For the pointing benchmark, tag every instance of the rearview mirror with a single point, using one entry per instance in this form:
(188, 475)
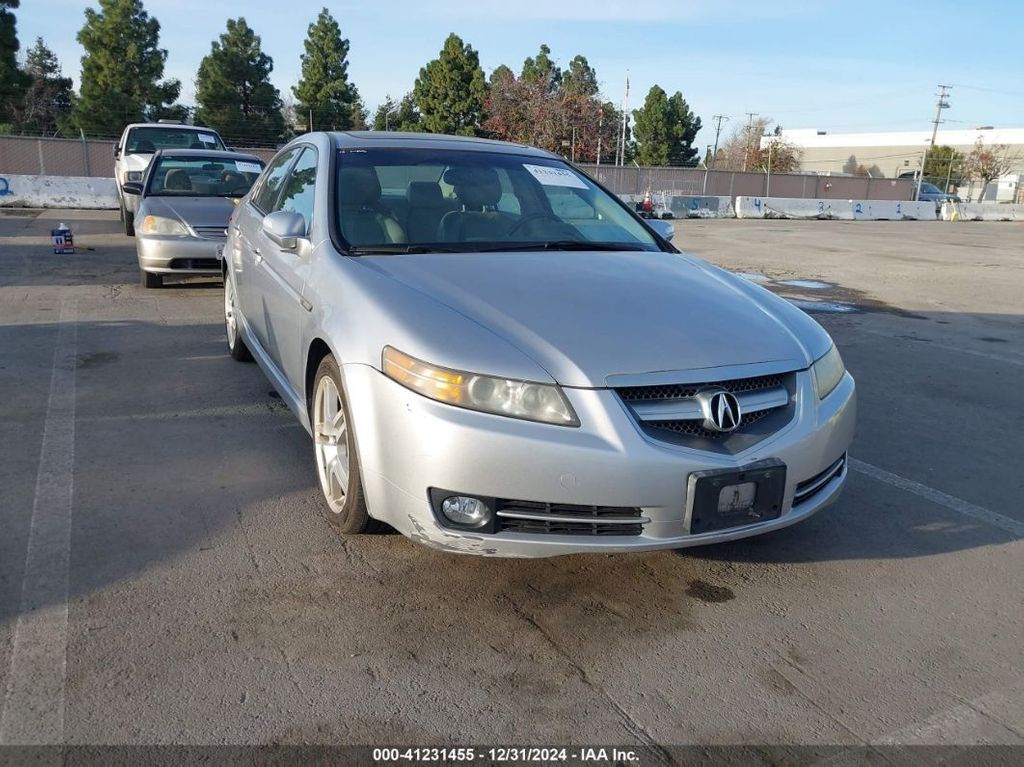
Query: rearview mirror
(131, 187)
(285, 228)
(664, 229)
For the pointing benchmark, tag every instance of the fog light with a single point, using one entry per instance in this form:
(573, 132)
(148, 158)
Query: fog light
(466, 511)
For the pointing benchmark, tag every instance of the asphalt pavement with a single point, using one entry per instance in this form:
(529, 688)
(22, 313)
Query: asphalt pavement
(166, 575)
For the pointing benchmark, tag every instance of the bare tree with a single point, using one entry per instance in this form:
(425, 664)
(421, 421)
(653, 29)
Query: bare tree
(987, 163)
(744, 142)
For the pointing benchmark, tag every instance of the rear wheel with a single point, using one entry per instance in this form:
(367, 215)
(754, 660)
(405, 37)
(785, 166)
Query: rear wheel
(334, 449)
(150, 280)
(236, 346)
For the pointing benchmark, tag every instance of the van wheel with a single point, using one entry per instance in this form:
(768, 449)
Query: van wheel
(129, 221)
(150, 280)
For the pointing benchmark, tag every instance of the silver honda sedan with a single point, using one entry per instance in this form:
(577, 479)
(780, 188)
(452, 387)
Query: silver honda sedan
(494, 355)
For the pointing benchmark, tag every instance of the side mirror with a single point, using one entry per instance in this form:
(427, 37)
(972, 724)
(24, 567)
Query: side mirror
(664, 229)
(285, 228)
(132, 187)
(117, 151)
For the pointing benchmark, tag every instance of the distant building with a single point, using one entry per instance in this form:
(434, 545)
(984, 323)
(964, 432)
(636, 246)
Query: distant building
(899, 153)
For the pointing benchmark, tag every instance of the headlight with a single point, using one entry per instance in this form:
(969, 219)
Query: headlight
(828, 372)
(131, 175)
(161, 225)
(501, 396)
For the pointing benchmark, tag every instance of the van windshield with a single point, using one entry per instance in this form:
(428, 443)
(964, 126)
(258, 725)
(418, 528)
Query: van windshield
(148, 140)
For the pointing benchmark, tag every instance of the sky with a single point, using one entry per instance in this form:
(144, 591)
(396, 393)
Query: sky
(834, 65)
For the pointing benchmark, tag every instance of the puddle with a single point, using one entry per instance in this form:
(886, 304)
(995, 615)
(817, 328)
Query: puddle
(811, 284)
(822, 306)
(752, 276)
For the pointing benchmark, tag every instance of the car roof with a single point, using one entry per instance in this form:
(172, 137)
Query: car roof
(173, 126)
(212, 154)
(404, 140)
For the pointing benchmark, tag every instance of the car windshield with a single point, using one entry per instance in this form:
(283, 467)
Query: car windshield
(930, 188)
(148, 140)
(202, 176)
(422, 200)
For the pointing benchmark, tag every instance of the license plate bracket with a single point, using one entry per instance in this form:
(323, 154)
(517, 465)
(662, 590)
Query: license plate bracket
(723, 499)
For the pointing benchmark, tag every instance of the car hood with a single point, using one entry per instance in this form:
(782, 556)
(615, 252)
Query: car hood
(194, 211)
(595, 319)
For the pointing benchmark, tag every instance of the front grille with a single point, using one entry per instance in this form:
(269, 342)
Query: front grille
(682, 391)
(694, 428)
(208, 264)
(811, 487)
(567, 519)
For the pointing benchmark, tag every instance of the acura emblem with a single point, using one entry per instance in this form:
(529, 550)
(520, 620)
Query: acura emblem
(720, 408)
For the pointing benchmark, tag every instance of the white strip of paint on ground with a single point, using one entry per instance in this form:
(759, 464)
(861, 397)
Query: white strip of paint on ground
(951, 502)
(33, 705)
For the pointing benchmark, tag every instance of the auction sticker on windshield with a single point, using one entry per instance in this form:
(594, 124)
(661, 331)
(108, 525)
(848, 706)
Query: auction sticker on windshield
(247, 167)
(207, 138)
(555, 176)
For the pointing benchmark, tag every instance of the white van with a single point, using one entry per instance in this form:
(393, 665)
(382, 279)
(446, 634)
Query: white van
(135, 149)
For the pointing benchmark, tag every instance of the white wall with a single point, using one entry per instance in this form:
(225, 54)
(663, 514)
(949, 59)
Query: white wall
(57, 192)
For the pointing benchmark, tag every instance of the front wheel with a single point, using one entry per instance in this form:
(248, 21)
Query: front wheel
(334, 449)
(236, 346)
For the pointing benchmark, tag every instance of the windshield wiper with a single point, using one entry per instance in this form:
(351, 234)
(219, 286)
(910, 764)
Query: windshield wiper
(391, 250)
(562, 245)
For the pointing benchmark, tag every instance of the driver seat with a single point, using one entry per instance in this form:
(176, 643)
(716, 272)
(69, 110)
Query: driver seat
(479, 190)
(362, 221)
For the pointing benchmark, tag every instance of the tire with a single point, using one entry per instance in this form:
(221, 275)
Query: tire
(334, 452)
(236, 346)
(129, 221)
(120, 210)
(150, 280)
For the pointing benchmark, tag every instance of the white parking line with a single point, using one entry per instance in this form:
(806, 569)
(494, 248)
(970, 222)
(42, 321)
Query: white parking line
(33, 707)
(958, 505)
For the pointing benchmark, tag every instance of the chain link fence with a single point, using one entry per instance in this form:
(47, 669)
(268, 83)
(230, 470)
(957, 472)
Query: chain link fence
(47, 156)
(720, 183)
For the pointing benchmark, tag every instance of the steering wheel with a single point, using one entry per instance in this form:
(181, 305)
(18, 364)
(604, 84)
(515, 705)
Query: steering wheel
(529, 218)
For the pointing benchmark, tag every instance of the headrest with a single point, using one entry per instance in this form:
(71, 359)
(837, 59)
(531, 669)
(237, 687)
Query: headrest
(358, 186)
(177, 178)
(424, 194)
(476, 188)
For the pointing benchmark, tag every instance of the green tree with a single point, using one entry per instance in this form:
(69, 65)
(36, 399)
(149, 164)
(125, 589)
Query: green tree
(397, 115)
(580, 79)
(233, 89)
(501, 74)
(324, 89)
(450, 90)
(542, 70)
(121, 69)
(12, 81)
(48, 98)
(665, 129)
(944, 163)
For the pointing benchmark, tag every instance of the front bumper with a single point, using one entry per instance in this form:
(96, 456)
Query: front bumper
(408, 443)
(161, 254)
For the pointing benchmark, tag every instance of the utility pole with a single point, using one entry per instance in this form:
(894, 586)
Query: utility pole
(941, 104)
(622, 132)
(704, 189)
(718, 129)
(746, 143)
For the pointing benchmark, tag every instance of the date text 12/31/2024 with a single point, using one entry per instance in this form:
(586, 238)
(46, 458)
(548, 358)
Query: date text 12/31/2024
(512, 754)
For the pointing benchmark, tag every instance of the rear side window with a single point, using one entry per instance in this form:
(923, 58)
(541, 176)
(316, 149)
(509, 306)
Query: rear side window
(266, 195)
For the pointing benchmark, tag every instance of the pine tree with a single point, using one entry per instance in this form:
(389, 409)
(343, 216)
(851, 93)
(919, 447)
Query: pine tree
(501, 74)
(121, 69)
(542, 70)
(580, 79)
(324, 90)
(48, 98)
(233, 90)
(450, 90)
(665, 129)
(12, 81)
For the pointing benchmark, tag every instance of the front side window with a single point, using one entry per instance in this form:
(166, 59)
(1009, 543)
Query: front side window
(149, 140)
(444, 200)
(202, 177)
(266, 195)
(297, 194)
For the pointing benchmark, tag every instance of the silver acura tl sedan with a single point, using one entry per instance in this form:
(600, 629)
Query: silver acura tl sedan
(182, 210)
(494, 355)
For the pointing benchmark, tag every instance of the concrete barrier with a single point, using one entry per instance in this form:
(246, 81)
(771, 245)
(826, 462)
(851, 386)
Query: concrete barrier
(981, 211)
(57, 192)
(687, 206)
(844, 210)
